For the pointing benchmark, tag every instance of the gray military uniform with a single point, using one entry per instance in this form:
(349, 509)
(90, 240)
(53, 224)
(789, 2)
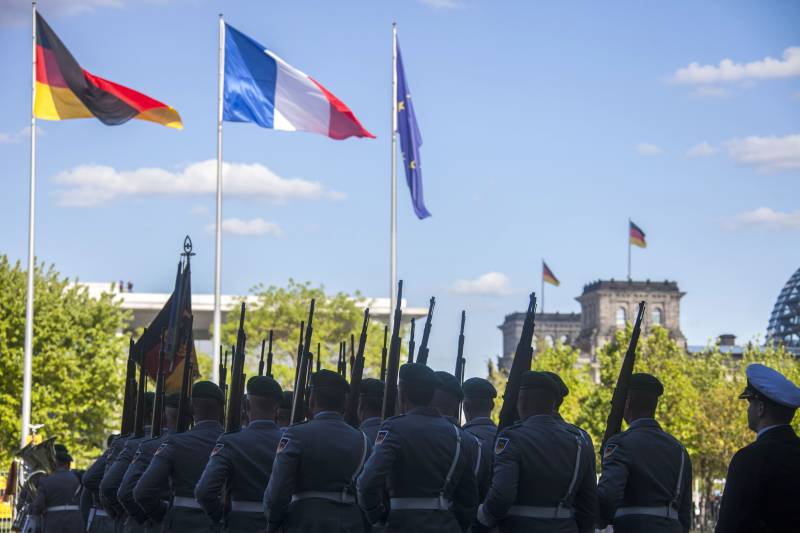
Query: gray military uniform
(431, 483)
(485, 430)
(242, 460)
(115, 471)
(99, 520)
(646, 484)
(311, 489)
(57, 500)
(542, 480)
(179, 461)
(137, 519)
(370, 427)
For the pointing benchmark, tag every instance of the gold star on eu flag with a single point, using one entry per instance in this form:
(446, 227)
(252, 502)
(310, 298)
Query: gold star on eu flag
(412, 165)
(401, 105)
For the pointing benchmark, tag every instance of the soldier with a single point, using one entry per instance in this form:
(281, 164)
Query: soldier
(98, 521)
(762, 490)
(419, 456)
(563, 392)
(284, 417)
(479, 397)
(646, 484)
(370, 403)
(179, 461)
(242, 461)
(58, 496)
(542, 479)
(137, 520)
(312, 484)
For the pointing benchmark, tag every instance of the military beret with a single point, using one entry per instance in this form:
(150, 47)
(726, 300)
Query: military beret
(646, 383)
(264, 387)
(60, 448)
(172, 400)
(538, 380)
(479, 388)
(371, 387)
(417, 373)
(562, 387)
(63, 457)
(771, 384)
(286, 399)
(447, 382)
(149, 399)
(329, 379)
(208, 391)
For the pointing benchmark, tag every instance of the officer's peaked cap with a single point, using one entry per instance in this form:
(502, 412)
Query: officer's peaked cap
(771, 384)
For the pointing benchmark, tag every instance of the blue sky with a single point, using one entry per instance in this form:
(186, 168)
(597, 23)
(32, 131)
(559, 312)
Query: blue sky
(546, 125)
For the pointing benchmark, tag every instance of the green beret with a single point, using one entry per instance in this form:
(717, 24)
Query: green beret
(264, 387)
(479, 388)
(418, 373)
(646, 383)
(562, 387)
(539, 380)
(208, 391)
(372, 387)
(447, 382)
(286, 399)
(172, 400)
(329, 379)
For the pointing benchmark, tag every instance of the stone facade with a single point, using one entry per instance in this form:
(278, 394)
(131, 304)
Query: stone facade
(550, 327)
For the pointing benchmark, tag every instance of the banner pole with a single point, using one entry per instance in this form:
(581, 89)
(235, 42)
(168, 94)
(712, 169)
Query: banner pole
(218, 224)
(393, 225)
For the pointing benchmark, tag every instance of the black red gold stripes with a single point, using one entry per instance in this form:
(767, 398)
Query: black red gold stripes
(548, 276)
(636, 236)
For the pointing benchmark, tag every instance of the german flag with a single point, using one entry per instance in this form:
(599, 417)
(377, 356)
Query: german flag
(636, 235)
(548, 276)
(65, 90)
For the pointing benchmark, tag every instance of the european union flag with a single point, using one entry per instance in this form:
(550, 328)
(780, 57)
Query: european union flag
(410, 140)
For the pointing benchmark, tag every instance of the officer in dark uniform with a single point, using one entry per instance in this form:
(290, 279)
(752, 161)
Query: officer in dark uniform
(563, 392)
(284, 417)
(58, 497)
(762, 492)
(179, 461)
(137, 520)
(479, 397)
(646, 484)
(419, 459)
(370, 405)
(242, 462)
(99, 520)
(311, 489)
(542, 479)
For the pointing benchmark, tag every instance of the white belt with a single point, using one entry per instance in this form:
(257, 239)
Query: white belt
(185, 503)
(57, 508)
(100, 512)
(341, 496)
(529, 511)
(247, 507)
(664, 511)
(420, 504)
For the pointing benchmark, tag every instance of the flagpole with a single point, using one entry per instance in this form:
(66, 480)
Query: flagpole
(393, 225)
(27, 372)
(218, 226)
(629, 249)
(542, 309)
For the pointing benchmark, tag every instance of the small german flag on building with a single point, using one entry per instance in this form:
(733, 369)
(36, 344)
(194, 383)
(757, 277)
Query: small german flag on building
(64, 90)
(548, 276)
(636, 235)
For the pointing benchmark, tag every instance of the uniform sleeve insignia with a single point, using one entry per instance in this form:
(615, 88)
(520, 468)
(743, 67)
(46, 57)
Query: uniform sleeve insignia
(610, 448)
(282, 444)
(500, 445)
(217, 449)
(161, 448)
(381, 437)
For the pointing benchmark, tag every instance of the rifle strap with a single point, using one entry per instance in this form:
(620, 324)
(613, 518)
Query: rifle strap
(579, 447)
(450, 472)
(678, 486)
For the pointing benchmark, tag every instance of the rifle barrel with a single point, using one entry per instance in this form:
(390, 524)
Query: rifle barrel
(269, 355)
(521, 363)
(422, 353)
(393, 360)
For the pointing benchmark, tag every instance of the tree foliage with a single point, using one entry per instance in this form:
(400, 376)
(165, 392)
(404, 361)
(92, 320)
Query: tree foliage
(78, 355)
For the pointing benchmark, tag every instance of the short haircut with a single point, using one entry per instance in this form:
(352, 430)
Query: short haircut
(329, 398)
(419, 393)
(263, 403)
(780, 413)
(643, 400)
(538, 400)
(478, 404)
(373, 403)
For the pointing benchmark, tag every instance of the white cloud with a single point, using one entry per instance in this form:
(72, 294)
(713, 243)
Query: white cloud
(440, 4)
(16, 12)
(489, 284)
(648, 149)
(255, 226)
(19, 136)
(766, 218)
(701, 150)
(767, 154)
(92, 185)
(710, 91)
(727, 71)
(199, 209)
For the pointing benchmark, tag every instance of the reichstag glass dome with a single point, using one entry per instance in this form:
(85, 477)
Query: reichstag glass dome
(784, 323)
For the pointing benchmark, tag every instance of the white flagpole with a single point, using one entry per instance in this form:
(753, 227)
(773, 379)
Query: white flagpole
(218, 226)
(542, 310)
(27, 371)
(393, 267)
(629, 249)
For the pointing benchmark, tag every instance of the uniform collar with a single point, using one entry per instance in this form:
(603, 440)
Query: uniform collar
(207, 424)
(644, 423)
(479, 421)
(540, 419)
(425, 411)
(262, 423)
(371, 421)
(764, 430)
(328, 415)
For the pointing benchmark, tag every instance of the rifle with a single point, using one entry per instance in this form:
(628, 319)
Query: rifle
(299, 355)
(614, 421)
(261, 359)
(422, 353)
(383, 353)
(339, 360)
(319, 357)
(269, 355)
(158, 402)
(393, 360)
(233, 421)
(411, 343)
(460, 361)
(352, 356)
(357, 374)
(184, 405)
(129, 397)
(223, 377)
(138, 422)
(521, 363)
(298, 409)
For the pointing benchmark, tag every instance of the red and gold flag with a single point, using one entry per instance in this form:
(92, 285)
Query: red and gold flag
(636, 236)
(548, 276)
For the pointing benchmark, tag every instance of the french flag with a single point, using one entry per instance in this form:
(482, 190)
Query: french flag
(261, 87)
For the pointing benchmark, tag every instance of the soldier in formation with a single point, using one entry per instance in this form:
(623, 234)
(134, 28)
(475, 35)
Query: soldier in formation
(57, 497)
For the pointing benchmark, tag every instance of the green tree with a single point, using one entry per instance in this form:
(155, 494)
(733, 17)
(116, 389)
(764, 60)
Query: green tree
(78, 360)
